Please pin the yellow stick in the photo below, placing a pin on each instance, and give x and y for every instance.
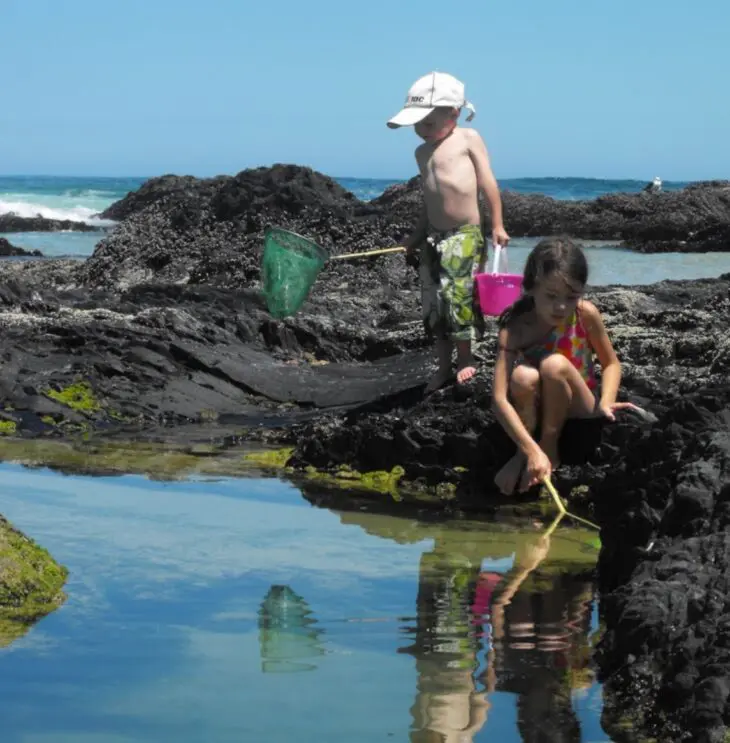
(554, 493)
(380, 251)
(561, 507)
(548, 532)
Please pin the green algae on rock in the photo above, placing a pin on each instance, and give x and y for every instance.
(274, 459)
(79, 397)
(31, 582)
(7, 428)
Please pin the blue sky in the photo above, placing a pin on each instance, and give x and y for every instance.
(565, 88)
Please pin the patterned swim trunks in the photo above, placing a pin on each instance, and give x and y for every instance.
(449, 262)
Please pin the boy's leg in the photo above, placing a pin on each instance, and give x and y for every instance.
(432, 316)
(460, 257)
(444, 352)
(565, 395)
(465, 364)
(525, 392)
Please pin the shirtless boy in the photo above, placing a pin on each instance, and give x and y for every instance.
(454, 167)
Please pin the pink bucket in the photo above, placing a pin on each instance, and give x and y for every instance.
(497, 291)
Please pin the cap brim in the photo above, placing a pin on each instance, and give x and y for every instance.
(409, 116)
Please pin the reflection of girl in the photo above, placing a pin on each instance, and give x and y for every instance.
(534, 639)
(541, 650)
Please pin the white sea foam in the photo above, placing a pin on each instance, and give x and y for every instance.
(29, 209)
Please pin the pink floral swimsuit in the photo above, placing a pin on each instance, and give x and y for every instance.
(571, 340)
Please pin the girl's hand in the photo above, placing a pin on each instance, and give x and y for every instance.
(538, 467)
(608, 409)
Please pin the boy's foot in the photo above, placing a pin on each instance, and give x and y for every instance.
(506, 479)
(464, 374)
(438, 380)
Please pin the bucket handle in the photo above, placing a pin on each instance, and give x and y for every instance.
(497, 248)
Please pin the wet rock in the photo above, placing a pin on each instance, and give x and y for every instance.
(665, 571)
(8, 250)
(10, 222)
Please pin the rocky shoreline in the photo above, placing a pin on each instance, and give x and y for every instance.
(7, 250)
(163, 335)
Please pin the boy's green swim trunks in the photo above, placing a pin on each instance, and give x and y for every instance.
(449, 262)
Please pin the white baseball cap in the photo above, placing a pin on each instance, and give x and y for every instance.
(428, 93)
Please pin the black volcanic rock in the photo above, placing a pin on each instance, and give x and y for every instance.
(694, 219)
(155, 189)
(10, 222)
(8, 250)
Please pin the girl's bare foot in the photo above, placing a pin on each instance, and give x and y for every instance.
(506, 479)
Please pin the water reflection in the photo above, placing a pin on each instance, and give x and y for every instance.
(288, 635)
(12, 630)
(181, 595)
(499, 615)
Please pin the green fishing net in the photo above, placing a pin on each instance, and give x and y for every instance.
(290, 267)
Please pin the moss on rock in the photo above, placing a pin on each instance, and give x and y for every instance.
(79, 397)
(31, 582)
(269, 458)
(7, 428)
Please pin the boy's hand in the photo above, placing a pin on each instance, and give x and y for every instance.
(412, 256)
(500, 236)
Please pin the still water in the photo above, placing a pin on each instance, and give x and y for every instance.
(236, 610)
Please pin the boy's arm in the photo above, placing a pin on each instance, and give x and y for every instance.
(420, 229)
(487, 183)
(418, 235)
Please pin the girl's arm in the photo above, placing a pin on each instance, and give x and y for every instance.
(503, 408)
(601, 343)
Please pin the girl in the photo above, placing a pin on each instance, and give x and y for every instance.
(545, 366)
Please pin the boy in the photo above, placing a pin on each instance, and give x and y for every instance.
(454, 166)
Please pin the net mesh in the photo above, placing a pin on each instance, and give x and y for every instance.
(290, 267)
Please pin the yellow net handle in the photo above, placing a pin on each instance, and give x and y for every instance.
(561, 508)
(381, 251)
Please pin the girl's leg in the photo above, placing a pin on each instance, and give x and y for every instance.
(524, 390)
(565, 394)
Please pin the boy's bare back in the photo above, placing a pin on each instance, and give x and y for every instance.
(449, 180)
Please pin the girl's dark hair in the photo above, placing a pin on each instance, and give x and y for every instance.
(554, 255)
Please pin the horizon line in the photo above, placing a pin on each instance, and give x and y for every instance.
(350, 177)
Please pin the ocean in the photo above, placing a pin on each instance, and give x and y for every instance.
(83, 198)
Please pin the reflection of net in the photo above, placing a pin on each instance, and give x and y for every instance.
(287, 635)
(290, 266)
